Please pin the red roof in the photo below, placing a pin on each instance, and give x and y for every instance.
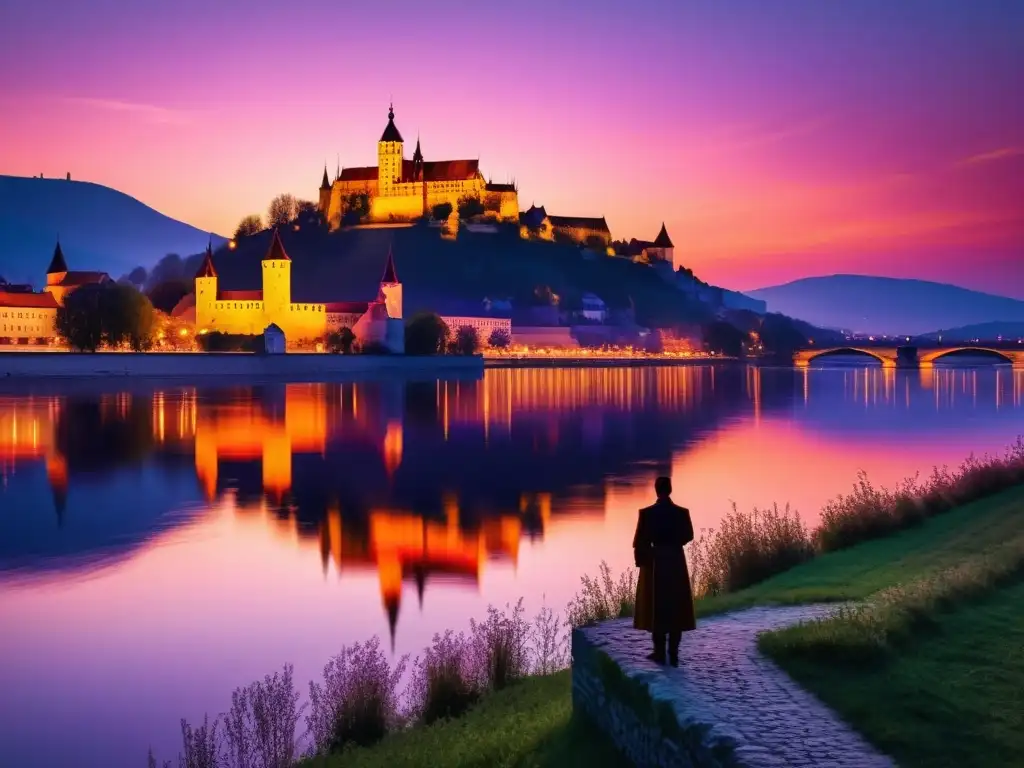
(207, 270)
(579, 222)
(240, 295)
(27, 300)
(347, 307)
(359, 174)
(75, 279)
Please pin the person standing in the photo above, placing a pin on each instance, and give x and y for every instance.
(664, 600)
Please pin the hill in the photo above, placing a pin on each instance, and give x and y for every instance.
(346, 265)
(984, 331)
(865, 304)
(100, 229)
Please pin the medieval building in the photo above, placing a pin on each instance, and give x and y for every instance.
(401, 189)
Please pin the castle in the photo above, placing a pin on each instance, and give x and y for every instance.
(399, 189)
(251, 312)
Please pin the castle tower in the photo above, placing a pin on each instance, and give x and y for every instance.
(664, 243)
(325, 194)
(417, 162)
(206, 289)
(58, 268)
(277, 284)
(391, 289)
(389, 156)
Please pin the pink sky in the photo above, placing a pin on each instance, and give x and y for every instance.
(805, 138)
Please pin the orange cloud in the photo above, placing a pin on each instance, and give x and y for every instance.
(1002, 153)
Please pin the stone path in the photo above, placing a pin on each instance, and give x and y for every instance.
(723, 680)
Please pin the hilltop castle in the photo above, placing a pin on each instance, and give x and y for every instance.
(401, 189)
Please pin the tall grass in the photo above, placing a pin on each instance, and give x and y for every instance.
(747, 548)
(499, 647)
(603, 597)
(892, 618)
(357, 701)
(442, 683)
(259, 729)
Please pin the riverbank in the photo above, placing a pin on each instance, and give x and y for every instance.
(903, 707)
(602, 362)
(200, 365)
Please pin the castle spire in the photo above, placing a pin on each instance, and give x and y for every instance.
(417, 155)
(276, 251)
(390, 131)
(390, 276)
(325, 184)
(206, 268)
(57, 263)
(663, 240)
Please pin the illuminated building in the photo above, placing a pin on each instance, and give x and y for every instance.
(401, 189)
(251, 311)
(26, 315)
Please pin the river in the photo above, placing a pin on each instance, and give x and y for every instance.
(162, 545)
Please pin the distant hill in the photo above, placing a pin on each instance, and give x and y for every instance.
(346, 265)
(100, 229)
(984, 331)
(865, 304)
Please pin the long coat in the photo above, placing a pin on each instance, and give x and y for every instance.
(664, 600)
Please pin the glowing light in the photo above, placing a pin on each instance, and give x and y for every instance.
(183, 332)
(232, 245)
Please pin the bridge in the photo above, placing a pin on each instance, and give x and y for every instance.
(912, 356)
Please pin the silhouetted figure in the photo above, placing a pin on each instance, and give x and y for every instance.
(664, 601)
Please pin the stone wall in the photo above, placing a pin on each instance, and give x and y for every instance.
(293, 367)
(642, 717)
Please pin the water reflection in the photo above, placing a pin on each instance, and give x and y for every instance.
(188, 540)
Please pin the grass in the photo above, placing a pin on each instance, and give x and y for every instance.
(936, 544)
(954, 700)
(527, 725)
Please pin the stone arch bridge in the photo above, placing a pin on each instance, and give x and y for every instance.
(911, 356)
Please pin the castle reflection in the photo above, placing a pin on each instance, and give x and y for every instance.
(421, 481)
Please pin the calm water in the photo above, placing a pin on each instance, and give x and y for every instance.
(160, 547)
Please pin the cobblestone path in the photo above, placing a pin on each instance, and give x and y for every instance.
(724, 681)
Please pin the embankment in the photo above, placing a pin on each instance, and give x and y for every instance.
(195, 365)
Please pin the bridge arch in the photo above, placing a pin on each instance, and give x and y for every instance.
(930, 357)
(806, 356)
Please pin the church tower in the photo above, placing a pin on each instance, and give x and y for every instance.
(325, 195)
(277, 284)
(58, 269)
(206, 289)
(389, 156)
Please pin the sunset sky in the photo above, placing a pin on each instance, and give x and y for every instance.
(777, 139)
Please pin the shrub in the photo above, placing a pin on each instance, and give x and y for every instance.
(215, 341)
(499, 338)
(498, 647)
(466, 341)
(340, 341)
(602, 598)
(441, 211)
(200, 745)
(442, 683)
(357, 702)
(260, 727)
(748, 548)
(426, 334)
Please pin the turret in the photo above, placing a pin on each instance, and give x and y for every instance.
(417, 162)
(277, 283)
(325, 195)
(391, 289)
(664, 243)
(389, 155)
(58, 268)
(206, 288)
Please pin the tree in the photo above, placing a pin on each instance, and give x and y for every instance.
(80, 321)
(726, 338)
(166, 295)
(170, 267)
(426, 334)
(356, 208)
(441, 211)
(137, 277)
(466, 341)
(282, 210)
(114, 314)
(470, 206)
(250, 225)
(304, 210)
(499, 339)
(341, 341)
